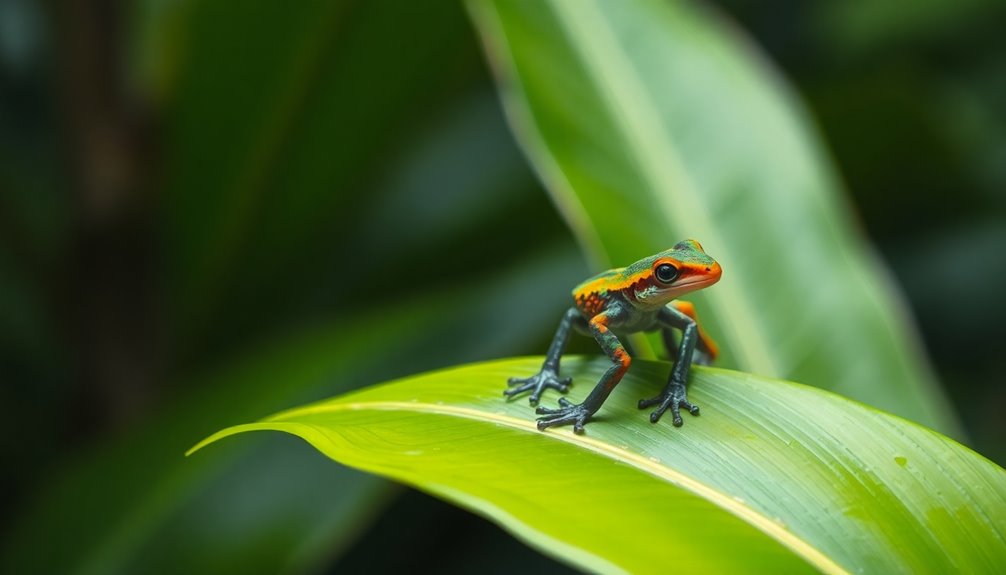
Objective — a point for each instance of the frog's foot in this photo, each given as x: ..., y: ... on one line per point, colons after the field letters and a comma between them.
x: 536, y: 384
x: 568, y: 412
x: 673, y: 397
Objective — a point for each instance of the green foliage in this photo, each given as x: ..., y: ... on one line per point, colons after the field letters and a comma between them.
x: 282, y: 155
x: 664, y: 125
x: 159, y: 502
x: 268, y: 308
x: 787, y: 477
x: 336, y: 201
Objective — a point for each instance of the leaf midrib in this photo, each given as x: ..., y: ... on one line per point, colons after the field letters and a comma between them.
x: 605, y: 62
x: 726, y: 502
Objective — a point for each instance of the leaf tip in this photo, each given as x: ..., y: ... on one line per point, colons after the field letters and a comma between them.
x: 226, y: 432
x: 202, y: 444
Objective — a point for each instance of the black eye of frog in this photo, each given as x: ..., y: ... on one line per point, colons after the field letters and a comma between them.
x: 666, y: 273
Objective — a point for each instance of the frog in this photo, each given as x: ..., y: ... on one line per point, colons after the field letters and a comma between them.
x: 641, y: 297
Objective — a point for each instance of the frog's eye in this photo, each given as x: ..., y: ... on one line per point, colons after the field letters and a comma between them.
x: 666, y: 273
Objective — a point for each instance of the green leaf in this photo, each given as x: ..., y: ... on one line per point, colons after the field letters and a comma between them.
x: 654, y: 121
x: 772, y: 477
x: 134, y: 499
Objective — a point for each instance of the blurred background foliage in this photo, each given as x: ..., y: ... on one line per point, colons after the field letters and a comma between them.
x: 210, y: 211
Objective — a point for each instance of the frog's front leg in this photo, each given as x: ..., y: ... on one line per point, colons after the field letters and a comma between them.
x: 674, y: 395
x: 548, y: 377
x: 578, y: 414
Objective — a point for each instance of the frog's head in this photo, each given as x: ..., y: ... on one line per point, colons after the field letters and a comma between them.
x: 673, y: 273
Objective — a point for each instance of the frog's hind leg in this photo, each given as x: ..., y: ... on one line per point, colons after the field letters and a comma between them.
x: 705, y: 346
x: 674, y: 395
x: 548, y: 376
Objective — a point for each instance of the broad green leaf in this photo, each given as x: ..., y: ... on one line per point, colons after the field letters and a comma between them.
x: 654, y: 121
x: 124, y: 496
x: 771, y: 477
x: 136, y: 499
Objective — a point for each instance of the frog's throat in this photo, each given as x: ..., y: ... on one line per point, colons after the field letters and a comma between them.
x: 654, y: 296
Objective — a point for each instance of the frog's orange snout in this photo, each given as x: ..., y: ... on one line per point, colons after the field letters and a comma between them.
x: 713, y: 272
x: 699, y: 276
x: 704, y: 275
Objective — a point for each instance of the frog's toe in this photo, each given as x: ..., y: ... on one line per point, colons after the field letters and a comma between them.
x: 564, y: 405
x: 518, y: 381
x: 537, y: 384
x: 535, y: 396
x: 673, y: 398
x: 567, y: 413
x: 644, y: 403
x: 518, y: 385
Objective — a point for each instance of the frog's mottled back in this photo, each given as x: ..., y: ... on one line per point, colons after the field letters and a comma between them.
x: 592, y: 295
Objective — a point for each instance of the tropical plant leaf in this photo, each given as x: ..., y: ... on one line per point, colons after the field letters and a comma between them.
x: 160, y: 503
x: 772, y: 477
x: 654, y: 121
x: 242, y: 165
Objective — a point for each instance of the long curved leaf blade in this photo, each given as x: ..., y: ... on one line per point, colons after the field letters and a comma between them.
x: 787, y: 477
x: 651, y: 122
x: 165, y: 506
